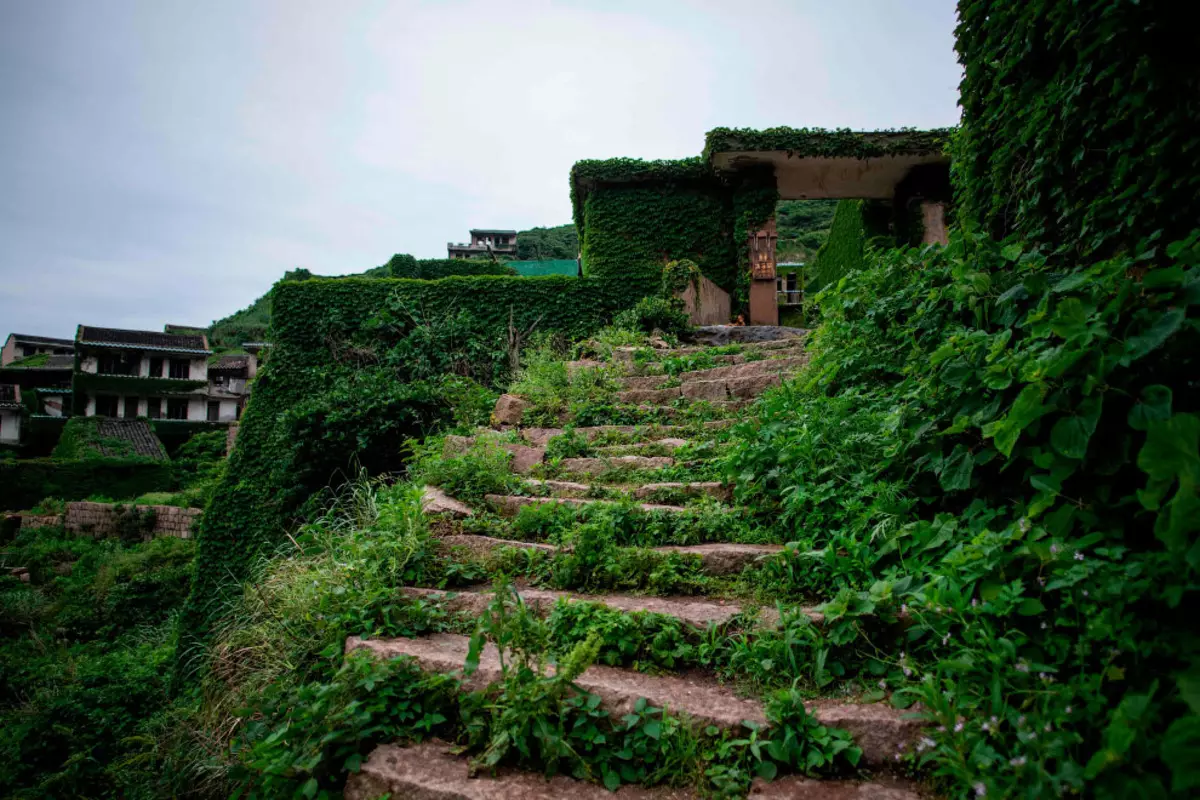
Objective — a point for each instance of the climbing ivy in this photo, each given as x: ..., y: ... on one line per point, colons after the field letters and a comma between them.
x: 856, y: 223
x: 357, y: 367
x: 840, y: 143
x: 1079, y: 121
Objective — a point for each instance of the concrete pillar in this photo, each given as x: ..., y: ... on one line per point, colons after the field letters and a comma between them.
x: 933, y: 221
x: 764, y: 307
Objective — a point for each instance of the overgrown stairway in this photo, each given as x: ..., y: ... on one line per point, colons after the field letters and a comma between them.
x: 654, y: 471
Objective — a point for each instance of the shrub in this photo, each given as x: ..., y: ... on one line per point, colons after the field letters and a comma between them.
x: 654, y: 314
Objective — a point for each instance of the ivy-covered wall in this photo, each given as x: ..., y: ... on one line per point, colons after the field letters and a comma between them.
x: 855, y: 224
x: 351, y: 376
x: 636, y: 216
x: 24, y: 483
x: 406, y: 266
x: 1079, y: 121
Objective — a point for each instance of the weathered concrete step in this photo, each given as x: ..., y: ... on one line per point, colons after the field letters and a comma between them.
x: 511, y: 505
x: 597, y: 466
x: 696, y: 612
x: 715, y: 559
x: 879, y: 730
x: 714, y: 489
x: 436, y: 502
x: 431, y: 771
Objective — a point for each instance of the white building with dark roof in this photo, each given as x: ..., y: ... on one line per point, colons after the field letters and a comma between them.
x: 19, y: 346
x: 129, y: 374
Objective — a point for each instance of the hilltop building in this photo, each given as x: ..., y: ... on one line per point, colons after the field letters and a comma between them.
x: 131, y: 374
x: 484, y: 241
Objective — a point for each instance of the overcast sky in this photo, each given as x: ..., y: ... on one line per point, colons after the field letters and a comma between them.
x: 167, y: 161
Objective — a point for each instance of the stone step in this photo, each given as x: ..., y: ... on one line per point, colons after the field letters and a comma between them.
x: 714, y: 489
x: 879, y: 730
x: 558, y: 488
x: 745, y: 369
x: 435, y: 502
x: 511, y: 505
x: 715, y: 558
x: 432, y: 770
x: 598, y: 466
x: 540, y: 437
x: 697, y: 613
x: 669, y: 445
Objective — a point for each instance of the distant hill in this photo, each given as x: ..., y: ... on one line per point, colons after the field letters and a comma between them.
x: 548, y: 244
x: 803, y: 227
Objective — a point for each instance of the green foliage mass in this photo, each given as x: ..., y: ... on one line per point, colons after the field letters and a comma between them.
x: 819, y: 142
x: 1009, y: 448
x: 81, y: 439
x: 1079, y: 122
x: 547, y: 244
x: 25, y: 482
x: 803, y: 226
x: 358, y: 367
x: 405, y: 266
x: 84, y: 655
x: 856, y: 224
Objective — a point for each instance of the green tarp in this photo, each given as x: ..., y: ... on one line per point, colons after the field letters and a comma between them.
x: 559, y: 266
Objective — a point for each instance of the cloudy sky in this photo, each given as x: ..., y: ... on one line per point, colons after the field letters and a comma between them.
x: 168, y: 160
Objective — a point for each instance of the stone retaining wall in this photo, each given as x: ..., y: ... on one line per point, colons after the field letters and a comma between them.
x: 104, y: 519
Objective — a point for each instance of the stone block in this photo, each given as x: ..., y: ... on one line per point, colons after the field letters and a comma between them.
x: 525, y: 458
x: 712, y: 391
x: 509, y: 410
x: 752, y: 386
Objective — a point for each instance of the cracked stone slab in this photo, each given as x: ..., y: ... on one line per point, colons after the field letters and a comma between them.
x: 559, y: 488
x: 540, y: 437
x: 748, y: 369
x: 524, y: 457
x: 483, y: 546
x: 712, y: 391
x: 752, y: 386
x: 434, y: 502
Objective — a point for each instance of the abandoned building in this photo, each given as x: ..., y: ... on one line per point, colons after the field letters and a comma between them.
x: 20, y: 346
x: 10, y: 413
x: 483, y: 242
x: 133, y: 374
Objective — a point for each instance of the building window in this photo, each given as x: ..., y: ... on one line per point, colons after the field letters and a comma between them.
x: 180, y: 368
x: 131, y: 408
x: 117, y: 364
x: 214, y: 411
x: 106, y: 405
x: 156, y: 368
x: 237, y: 411
x: 177, y: 408
x: 154, y: 406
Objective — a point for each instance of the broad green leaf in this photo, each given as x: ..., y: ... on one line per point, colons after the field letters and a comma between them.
x: 1070, y: 435
x: 1031, y: 607
x: 1181, y: 753
x: 1153, y: 337
x: 956, y: 472
x: 1172, y: 449
x: 1153, y: 406
x: 1011, y: 252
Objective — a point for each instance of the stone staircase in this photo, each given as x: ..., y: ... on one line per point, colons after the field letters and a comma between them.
x: 613, y: 472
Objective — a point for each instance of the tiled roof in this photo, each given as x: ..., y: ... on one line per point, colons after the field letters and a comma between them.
x: 147, y: 339
x: 10, y: 395
x: 135, y: 431
x: 21, y: 337
x: 230, y: 364
x: 45, y: 362
x: 491, y: 230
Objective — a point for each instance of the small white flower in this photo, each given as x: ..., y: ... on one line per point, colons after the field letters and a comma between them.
x: 1047, y: 728
x: 1021, y: 720
x: 980, y: 790
x: 1022, y: 667
x: 1085, y: 592
x: 1024, y: 525
x: 1054, y: 549
x: 974, y: 602
x: 1044, y: 626
x: 1041, y: 581
x: 958, y: 727
x: 1078, y: 556
x: 927, y: 742
x: 882, y: 684
x: 946, y: 639
x: 897, y: 756
x: 1042, y: 675
x: 1067, y: 710
x: 907, y: 672
x: 904, y: 608
x: 1019, y: 761
x: 941, y: 728
x: 986, y: 726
